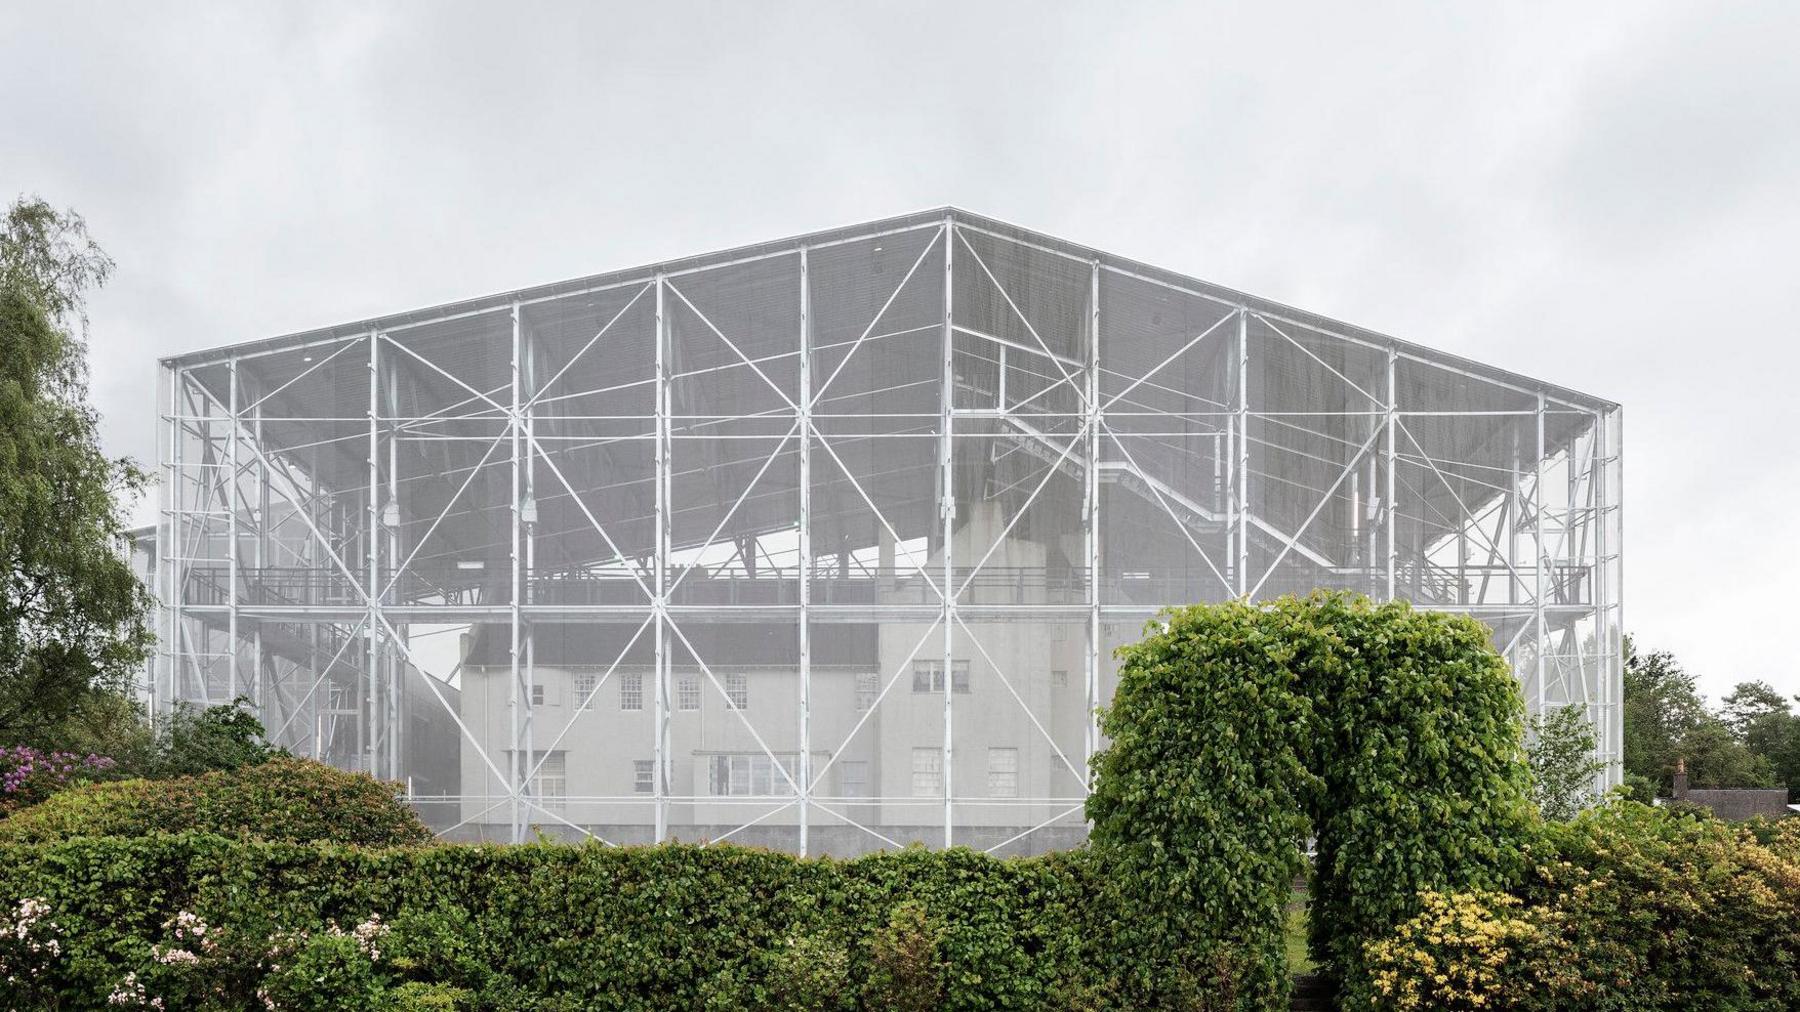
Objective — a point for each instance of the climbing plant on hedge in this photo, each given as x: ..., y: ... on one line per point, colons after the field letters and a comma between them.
x: 1391, y: 735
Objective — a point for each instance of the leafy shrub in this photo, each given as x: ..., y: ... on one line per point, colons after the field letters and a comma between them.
x: 1560, y: 751
x: 1627, y: 907
x: 905, y: 973
x: 552, y: 926
x: 283, y: 799
x: 1393, y: 734
x: 191, y: 740
x: 811, y: 973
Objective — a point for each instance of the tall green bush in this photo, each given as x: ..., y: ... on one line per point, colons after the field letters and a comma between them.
x: 1392, y: 735
x: 281, y: 799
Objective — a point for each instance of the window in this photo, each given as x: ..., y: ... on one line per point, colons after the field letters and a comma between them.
x: 1003, y: 772
x: 551, y: 784
x: 585, y: 684
x: 737, y: 691
x: 928, y: 772
x: 868, y: 686
x: 853, y: 778
x: 928, y: 676
x: 643, y: 776
x: 631, y: 692
x: 1059, y: 678
x: 687, y: 692
x: 750, y: 775
x: 537, y: 695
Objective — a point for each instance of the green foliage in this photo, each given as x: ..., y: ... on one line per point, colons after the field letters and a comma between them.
x: 1626, y: 908
x: 553, y: 926
x: 73, y: 616
x: 47, y: 257
x: 905, y: 973
x: 1560, y: 750
x: 282, y: 799
x: 811, y: 973
x: 190, y: 740
x: 1765, y: 722
x: 1665, y: 720
x: 1392, y: 734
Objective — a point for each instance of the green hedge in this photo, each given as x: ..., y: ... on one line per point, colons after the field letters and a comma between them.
x: 1393, y: 735
x: 560, y: 927
x: 289, y: 799
x: 1626, y: 908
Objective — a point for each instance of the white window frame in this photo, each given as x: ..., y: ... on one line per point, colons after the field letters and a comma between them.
x: 1003, y: 772
x: 854, y: 773
x: 928, y: 772
x: 749, y: 775
x: 928, y: 677
x: 631, y: 691
x: 585, y: 683
x: 868, y: 689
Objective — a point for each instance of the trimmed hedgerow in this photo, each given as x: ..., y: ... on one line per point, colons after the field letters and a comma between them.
x: 1626, y: 908
x: 207, y: 922
x: 282, y: 799
x: 1393, y: 735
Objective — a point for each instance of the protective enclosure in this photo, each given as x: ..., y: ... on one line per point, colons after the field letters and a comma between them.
x: 825, y: 544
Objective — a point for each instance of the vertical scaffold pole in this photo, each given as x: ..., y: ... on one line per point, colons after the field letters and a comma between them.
x: 1537, y: 526
x: 1389, y: 508
x: 659, y: 745
x: 947, y: 511
x: 372, y: 550
x: 1243, y: 452
x: 520, y: 765
x: 233, y: 506
x: 1092, y: 508
x: 804, y: 762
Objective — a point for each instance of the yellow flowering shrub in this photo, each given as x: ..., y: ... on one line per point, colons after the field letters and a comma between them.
x: 1627, y: 908
x: 1470, y: 950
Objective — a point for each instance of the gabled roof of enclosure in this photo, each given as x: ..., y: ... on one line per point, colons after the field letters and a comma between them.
x: 964, y: 219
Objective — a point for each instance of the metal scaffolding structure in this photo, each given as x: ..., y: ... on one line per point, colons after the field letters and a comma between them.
x: 826, y: 543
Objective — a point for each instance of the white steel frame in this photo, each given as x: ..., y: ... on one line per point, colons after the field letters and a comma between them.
x: 1320, y: 454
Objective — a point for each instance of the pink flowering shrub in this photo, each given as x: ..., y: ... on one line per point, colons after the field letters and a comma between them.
x: 29, y: 775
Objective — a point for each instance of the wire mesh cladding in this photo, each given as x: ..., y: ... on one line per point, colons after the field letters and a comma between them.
x: 826, y: 543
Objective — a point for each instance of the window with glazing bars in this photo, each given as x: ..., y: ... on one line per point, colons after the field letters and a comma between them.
x: 928, y: 772
x: 1003, y: 772
x: 585, y: 684
x: 928, y: 676
x: 750, y: 775
x: 631, y: 692
x: 853, y: 778
x: 551, y: 784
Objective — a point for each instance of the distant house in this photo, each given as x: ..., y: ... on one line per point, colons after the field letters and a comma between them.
x: 1732, y: 804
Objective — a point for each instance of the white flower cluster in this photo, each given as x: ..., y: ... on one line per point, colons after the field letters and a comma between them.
x: 130, y: 993
x: 190, y: 930
x: 367, y: 934
x: 33, y: 937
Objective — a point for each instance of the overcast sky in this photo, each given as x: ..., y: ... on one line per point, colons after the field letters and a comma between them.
x: 1606, y: 196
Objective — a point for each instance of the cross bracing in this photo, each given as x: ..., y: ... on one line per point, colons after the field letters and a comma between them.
x: 826, y: 543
